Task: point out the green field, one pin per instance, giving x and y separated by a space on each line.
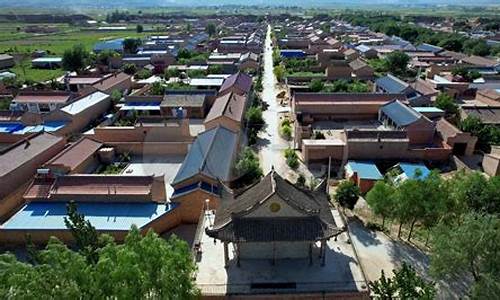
15 41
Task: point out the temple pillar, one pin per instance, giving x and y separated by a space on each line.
226 255
323 253
238 254
310 254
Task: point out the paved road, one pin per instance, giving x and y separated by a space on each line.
271 145
376 252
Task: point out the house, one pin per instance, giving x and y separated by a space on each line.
397 115
80 157
366 51
364 173
351 54
47 62
6 61
117 82
292 53
462 143
193 104
113 203
239 83
40 101
393 85
249 62
86 109
228 111
361 70
338 69
429 48
19 162
208 163
274 219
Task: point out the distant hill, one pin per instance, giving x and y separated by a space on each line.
166 3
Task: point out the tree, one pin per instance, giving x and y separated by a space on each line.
292 159
104 57
139 28
248 166
211 29
171 72
142 267
184 54
129 69
316 85
157 88
406 284
254 118
301 180
279 71
131 45
143 74
397 62
85 235
75 59
469 247
447 103
347 194
381 200
116 96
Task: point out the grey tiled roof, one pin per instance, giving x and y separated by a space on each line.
400 114
211 155
233 222
391 84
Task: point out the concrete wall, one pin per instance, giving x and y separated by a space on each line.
491 164
322 152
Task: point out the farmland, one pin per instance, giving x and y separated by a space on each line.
21 44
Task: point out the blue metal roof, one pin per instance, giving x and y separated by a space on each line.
210 154
10 127
103 216
429 48
410 169
364 169
289 53
428 109
391 84
399 113
363 48
115 45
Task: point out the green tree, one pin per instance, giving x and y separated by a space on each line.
211 29
116 96
148 267
381 200
347 194
129 69
157 88
406 284
292 159
171 72
254 118
279 71
447 103
397 62
316 85
85 235
104 57
143 74
130 45
139 28
75 59
469 247
248 166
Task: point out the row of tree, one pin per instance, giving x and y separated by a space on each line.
142 267
460 215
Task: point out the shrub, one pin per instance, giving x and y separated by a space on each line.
248 166
292 160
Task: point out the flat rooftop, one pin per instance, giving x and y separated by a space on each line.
341 274
156 165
